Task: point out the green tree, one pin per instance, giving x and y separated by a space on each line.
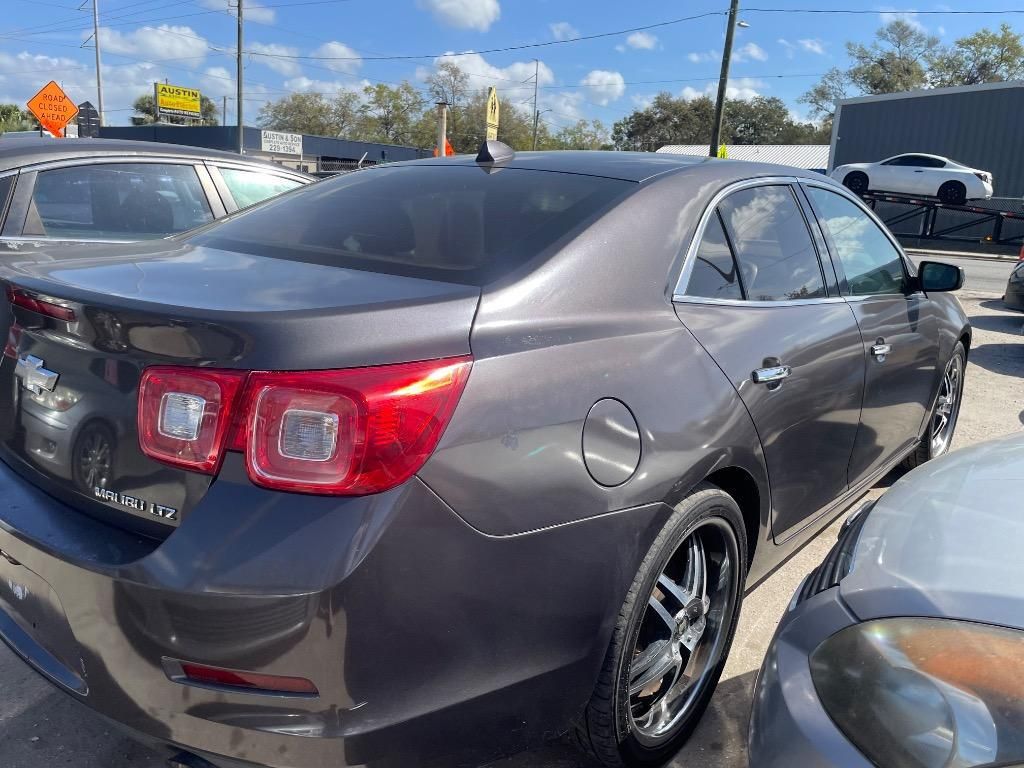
515 126
668 120
389 114
313 113
984 57
583 134
829 91
14 118
895 60
145 112
449 84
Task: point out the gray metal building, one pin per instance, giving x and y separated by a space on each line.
978 125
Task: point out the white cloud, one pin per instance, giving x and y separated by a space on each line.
345 59
516 78
744 88
464 14
254 11
642 100
603 86
698 57
789 47
813 45
941 31
565 105
642 41
272 57
910 17
563 30
750 51
163 42
327 87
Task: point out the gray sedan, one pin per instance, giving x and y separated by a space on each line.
905 648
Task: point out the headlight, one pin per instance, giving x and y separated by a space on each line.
925 693
61 399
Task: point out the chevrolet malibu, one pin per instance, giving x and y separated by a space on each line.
428 463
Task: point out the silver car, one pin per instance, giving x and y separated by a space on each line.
905 647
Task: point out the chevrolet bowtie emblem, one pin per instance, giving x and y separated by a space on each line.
33 376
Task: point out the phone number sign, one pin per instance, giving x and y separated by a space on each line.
53 108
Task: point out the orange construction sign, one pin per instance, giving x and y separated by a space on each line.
53 108
449 150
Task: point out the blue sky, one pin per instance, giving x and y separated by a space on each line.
191 42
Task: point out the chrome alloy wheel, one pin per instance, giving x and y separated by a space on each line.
947 407
684 630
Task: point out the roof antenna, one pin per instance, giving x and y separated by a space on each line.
493 152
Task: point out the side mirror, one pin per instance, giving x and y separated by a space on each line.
934 276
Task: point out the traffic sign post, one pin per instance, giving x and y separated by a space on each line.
52 108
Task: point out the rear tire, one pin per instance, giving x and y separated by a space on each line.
953 193
672 636
941 426
856 182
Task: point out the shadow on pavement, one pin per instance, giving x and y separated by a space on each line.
1002 323
1007 359
720 739
57 732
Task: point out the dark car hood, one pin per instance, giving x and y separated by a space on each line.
946 541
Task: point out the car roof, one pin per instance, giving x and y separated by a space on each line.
16 153
627 166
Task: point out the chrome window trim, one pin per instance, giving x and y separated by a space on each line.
680 297
78 240
684 299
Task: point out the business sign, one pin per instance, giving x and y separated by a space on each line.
493 109
52 108
278 143
177 101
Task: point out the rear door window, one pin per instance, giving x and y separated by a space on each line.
116 201
251 187
776 256
714 274
453 222
871 262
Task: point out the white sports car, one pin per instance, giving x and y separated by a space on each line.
918 174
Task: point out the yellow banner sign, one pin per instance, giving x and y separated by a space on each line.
493 109
177 100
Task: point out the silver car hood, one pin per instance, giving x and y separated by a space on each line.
947 540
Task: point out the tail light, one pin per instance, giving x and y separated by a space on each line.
346 432
21 298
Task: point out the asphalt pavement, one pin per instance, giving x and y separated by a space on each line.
41 728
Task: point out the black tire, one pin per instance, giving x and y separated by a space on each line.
953 193
929 448
856 182
607 729
92 457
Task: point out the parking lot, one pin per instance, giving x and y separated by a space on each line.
40 728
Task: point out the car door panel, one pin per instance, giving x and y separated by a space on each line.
808 424
898 326
786 320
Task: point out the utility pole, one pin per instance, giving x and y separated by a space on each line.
224 112
99 72
442 128
536 114
723 79
239 110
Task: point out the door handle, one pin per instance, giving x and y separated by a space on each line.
772 375
881 351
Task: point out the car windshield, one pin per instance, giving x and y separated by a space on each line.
454 223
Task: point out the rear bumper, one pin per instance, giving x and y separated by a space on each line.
426 639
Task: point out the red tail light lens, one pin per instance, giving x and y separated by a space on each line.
184 415
346 432
352 431
245 681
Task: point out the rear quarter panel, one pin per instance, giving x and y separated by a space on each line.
594 321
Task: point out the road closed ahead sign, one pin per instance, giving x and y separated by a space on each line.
52 108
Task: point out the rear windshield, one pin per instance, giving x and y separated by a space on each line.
452 223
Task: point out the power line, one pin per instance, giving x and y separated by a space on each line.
505 49
890 12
